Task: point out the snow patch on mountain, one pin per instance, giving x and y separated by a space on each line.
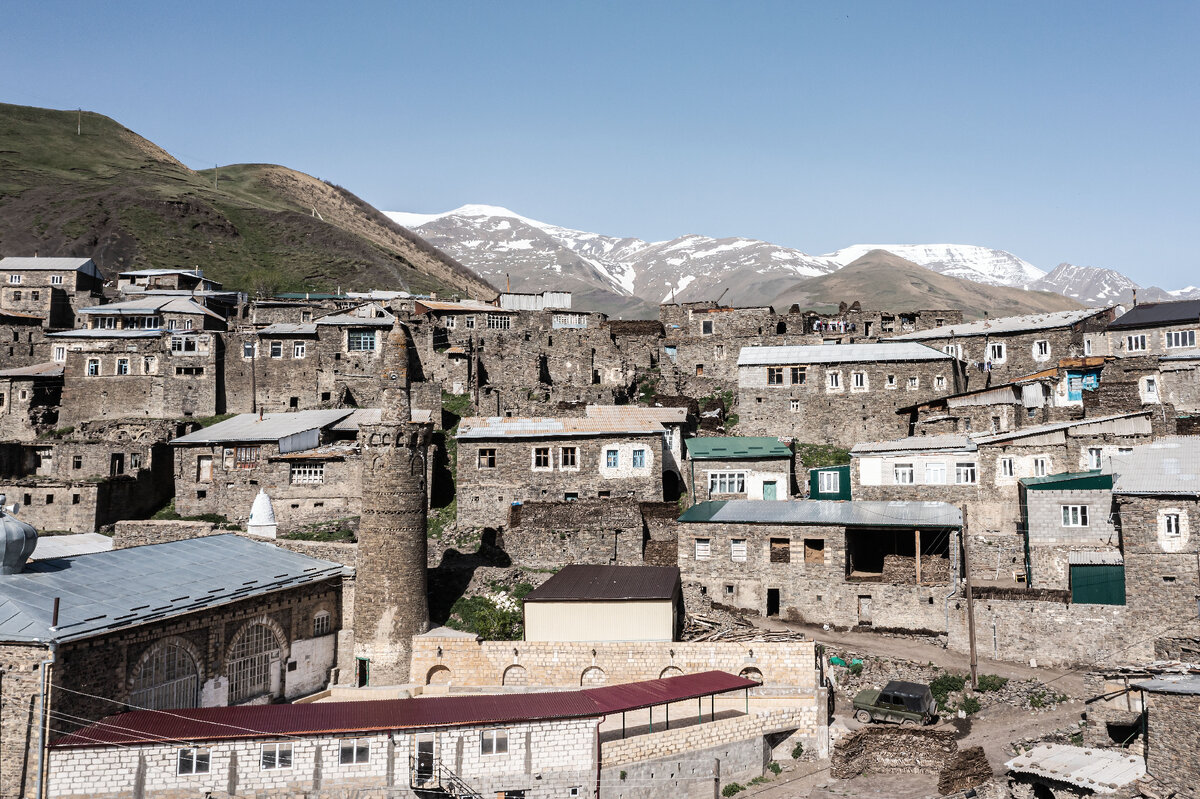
966 261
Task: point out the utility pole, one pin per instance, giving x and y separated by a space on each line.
970 600
216 168
79 123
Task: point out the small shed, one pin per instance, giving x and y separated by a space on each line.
739 467
606 603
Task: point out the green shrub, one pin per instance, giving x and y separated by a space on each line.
856 668
732 788
482 616
991 682
798 751
970 705
945 684
774 768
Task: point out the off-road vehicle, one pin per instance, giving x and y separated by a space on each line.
907 703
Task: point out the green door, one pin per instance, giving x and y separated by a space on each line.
769 490
1098 585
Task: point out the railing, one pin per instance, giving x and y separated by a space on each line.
433 777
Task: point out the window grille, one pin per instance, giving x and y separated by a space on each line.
249 665
308 473
167 678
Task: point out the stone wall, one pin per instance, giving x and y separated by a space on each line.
893 750
154 531
1172 730
549 534
696 774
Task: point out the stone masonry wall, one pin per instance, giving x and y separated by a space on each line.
1173 728
549 534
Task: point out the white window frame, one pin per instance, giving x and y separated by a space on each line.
1172 524
997 352
1041 466
935 473
939 382
360 751
914 383
794 405
191 760
891 383
953 350
702 548
1135 342
966 473
833 381
1179 339
493 741
829 482
533 459
1006 467
451 321
499 321
726 482
60 353
14 280
56 280
276 349
272 757
322 623
859 381
249 348
903 474
1087 346
737 550
299 349
307 473
1075 516
1095 457
1151 388
1041 349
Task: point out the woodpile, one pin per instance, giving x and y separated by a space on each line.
731 628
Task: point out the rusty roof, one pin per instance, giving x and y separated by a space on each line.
664 415
584 583
462 306
324 718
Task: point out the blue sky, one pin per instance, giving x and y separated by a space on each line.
1058 131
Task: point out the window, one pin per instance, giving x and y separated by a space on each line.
122 366
360 341
1135 343
964 474
189 370
299 349
93 367
451 322
1041 467
135 460
953 350
187 324
276 756
914 382
183 343
247 349
699 370
829 482
309 473
639 459
1151 388
703 548
249 666
193 760
794 405
859 381
76 461
1087 346
997 353
60 353
935 473
355 751
612 458
719 352
14 280
493 742
902 473
166 677
706 327
470 322
571 496
499 321
322 624
569 457
1181 338
276 349
737 550
56 280
939 382
1094 456
16 295
781 550
774 375
890 382
834 380
541 457
246 457
486 458
726 482
799 373
1171 526
1074 515
1041 349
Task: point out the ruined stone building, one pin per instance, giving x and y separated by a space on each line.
52 289
142 281
503 461
839 394
1172 727
29 400
22 338
196 623
738 467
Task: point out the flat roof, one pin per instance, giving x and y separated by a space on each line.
47 369
65 546
585 583
267 427
104 591
949 442
1184 684
663 415
714 448
1025 432
1069 481
325 718
476 427
288 329
1150 314
1099 770
1170 465
350 320
850 513
99 333
1003 324
18 263
839 353
155 303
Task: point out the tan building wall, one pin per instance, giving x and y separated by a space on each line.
600 621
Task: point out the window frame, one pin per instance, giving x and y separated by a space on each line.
493 741
1075 515
306 473
775 376
93 367
1179 339
899 469
833 380
1172 524
358 338
799 375
829 482
356 748
997 352
299 349
563 453
485 458
276 751
1041 466
737 550
639 454
612 458
246 456
702 548
966 473
935 469
1136 338
539 453
732 480
197 755
859 381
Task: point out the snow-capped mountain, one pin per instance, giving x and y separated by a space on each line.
1093 285
964 261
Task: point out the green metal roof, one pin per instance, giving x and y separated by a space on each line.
718 448
1094 480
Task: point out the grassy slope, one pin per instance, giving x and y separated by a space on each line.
882 280
118 198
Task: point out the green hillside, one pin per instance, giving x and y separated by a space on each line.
106 193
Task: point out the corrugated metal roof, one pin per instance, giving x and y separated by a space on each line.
20 315
350 320
288 329
1110 557
709 448
662 415
1099 770
65 546
1188 684
98 333
161 272
270 427
585 583
363 416
1170 465
323 718
949 442
47 369
519 427
1023 432
152 304
854 513
1070 481
1004 324
85 265
1149 314
109 590
462 306
838 353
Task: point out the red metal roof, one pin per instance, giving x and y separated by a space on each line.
323 718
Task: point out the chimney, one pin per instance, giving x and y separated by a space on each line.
1135 296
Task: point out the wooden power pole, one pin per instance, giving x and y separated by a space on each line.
970 601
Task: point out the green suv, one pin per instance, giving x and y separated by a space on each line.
908 703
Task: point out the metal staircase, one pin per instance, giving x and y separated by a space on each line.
431 778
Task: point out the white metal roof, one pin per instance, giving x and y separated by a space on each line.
16 264
838 353
1099 770
46 369
1170 465
65 546
950 442
161 272
1108 557
1172 684
852 513
153 304
99 333
519 427
1004 324
658 414
288 329
268 427
1024 432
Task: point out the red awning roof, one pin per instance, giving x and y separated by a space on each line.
323 718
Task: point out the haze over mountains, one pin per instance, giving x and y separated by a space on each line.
629 276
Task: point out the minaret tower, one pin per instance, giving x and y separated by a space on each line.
390 602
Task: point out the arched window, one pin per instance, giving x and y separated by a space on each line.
249 664
166 677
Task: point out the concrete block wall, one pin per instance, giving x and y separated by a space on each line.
1045 519
704 736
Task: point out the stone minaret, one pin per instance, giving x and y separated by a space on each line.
390 602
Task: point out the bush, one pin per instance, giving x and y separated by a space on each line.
798 751
732 789
775 768
856 668
944 685
991 682
484 617
970 705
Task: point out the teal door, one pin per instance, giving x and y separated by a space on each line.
769 490
1098 585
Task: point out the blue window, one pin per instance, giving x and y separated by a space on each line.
639 459
612 458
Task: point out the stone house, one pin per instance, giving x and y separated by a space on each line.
547 534
262 313
22 338
53 289
139 281
29 399
848 563
97 474
152 312
1153 328
541 301
606 603
532 746
1180 374
703 340
1071 538
738 467
1172 726
503 461
1004 349
839 394
190 623
310 472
